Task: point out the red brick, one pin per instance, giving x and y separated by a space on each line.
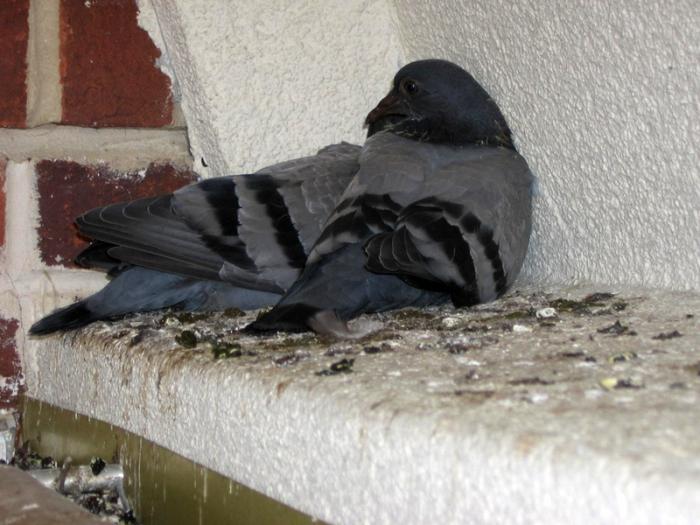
14 33
108 67
68 189
11 377
3 164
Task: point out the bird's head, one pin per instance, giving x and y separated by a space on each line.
439 102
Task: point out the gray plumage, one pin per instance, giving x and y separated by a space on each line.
237 241
436 206
441 204
451 221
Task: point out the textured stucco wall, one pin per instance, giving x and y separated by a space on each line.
604 99
262 81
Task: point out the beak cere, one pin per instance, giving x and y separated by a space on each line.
389 105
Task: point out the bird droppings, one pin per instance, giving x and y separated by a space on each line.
97 465
572 355
222 350
616 329
475 396
283 342
615 383
694 368
594 303
136 338
291 359
624 356
619 306
667 335
597 297
186 339
519 314
570 305
451 322
26 459
178 318
232 313
500 347
546 313
530 381
344 366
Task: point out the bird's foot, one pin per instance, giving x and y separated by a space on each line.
326 322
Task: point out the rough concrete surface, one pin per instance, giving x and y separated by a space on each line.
604 100
542 407
25 501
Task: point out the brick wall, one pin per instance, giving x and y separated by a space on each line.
86 118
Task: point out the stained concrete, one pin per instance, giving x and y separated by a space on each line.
585 414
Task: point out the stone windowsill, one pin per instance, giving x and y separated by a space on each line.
487 415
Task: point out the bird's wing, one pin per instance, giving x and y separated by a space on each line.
468 234
251 230
428 249
448 221
147 229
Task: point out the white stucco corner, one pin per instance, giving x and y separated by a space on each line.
264 81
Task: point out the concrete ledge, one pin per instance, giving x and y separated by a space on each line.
488 415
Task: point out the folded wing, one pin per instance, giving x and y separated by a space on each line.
252 230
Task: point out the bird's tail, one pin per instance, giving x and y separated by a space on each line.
143 290
69 317
133 290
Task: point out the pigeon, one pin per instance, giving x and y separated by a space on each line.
236 241
435 206
439 210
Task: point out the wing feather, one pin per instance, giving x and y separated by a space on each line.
252 230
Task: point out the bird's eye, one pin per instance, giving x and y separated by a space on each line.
409 87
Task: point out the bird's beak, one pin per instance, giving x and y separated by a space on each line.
389 105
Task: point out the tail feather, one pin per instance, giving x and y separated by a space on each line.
73 316
141 290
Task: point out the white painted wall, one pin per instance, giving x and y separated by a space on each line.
603 97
